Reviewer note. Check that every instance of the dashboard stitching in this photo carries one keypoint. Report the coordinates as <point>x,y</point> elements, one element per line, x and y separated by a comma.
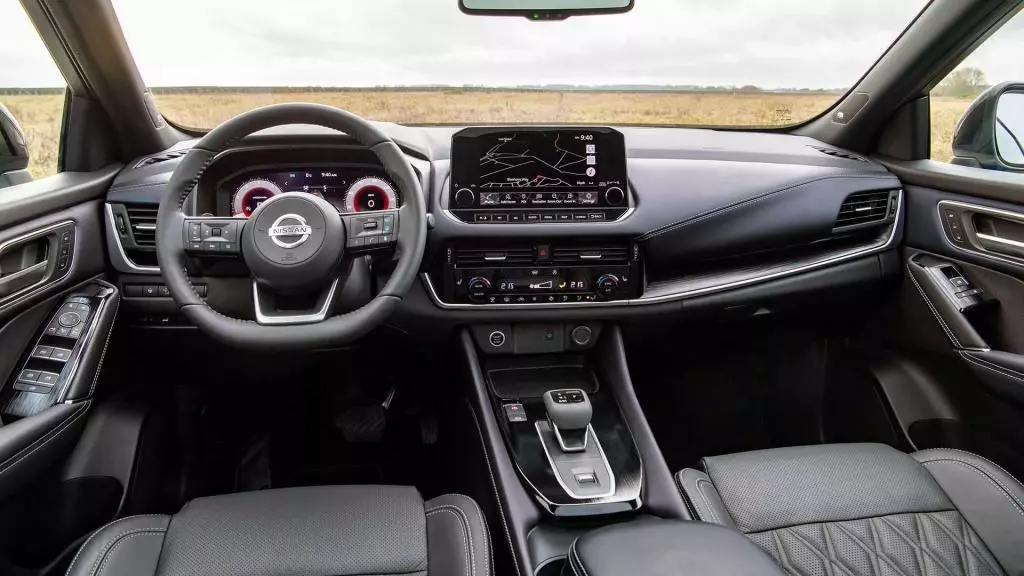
<point>746,202</point>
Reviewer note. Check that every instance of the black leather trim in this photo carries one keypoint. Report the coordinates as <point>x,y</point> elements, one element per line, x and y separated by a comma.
<point>666,548</point>
<point>703,498</point>
<point>1000,372</point>
<point>782,487</point>
<point>659,495</point>
<point>987,496</point>
<point>128,547</point>
<point>458,540</point>
<point>320,530</point>
<point>91,361</point>
<point>29,445</point>
<point>956,326</point>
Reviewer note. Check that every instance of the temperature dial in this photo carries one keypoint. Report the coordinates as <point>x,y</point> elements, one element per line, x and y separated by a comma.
<point>478,287</point>
<point>607,285</point>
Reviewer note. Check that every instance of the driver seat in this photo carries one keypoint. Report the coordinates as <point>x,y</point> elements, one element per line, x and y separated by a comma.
<point>315,531</point>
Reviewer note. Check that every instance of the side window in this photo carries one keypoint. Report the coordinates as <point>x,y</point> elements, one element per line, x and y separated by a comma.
<point>977,111</point>
<point>31,100</point>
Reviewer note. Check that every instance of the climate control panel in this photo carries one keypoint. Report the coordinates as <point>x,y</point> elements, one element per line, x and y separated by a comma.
<point>557,272</point>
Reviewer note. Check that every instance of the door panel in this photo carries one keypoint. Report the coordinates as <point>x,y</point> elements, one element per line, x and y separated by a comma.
<point>964,260</point>
<point>51,249</point>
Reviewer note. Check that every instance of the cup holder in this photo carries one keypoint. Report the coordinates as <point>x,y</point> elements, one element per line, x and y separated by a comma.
<point>37,531</point>
<point>553,568</point>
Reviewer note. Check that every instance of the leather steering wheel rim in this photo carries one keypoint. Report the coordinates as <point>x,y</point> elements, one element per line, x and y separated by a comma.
<point>334,330</point>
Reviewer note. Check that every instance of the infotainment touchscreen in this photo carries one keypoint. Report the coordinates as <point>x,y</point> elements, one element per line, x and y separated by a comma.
<point>537,170</point>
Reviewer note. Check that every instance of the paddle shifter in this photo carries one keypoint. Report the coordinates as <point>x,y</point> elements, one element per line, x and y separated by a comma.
<point>569,412</point>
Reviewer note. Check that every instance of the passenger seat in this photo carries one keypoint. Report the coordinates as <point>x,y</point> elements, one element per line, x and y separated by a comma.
<point>866,509</point>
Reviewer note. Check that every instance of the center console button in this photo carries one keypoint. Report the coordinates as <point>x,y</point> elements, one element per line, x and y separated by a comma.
<point>497,338</point>
<point>581,335</point>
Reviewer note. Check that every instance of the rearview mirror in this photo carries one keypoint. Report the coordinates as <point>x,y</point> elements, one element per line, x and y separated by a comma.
<point>991,132</point>
<point>544,9</point>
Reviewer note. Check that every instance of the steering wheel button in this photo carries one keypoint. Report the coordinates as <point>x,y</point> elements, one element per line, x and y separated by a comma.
<point>371,240</point>
<point>387,239</point>
<point>356,242</point>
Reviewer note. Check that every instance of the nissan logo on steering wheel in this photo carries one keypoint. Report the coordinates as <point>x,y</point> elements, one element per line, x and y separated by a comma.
<point>289,231</point>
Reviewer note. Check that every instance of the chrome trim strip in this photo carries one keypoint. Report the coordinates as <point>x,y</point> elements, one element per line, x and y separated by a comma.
<point>999,240</point>
<point>29,291</point>
<point>645,300</point>
<point>318,316</point>
<point>120,258</point>
<point>1004,258</point>
<point>561,441</point>
<point>554,470</point>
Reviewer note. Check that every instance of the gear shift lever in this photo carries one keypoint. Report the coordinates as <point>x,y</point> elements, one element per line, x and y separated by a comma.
<point>569,412</point>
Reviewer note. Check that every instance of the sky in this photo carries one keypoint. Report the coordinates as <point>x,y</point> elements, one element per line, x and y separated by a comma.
<point>768,43</point>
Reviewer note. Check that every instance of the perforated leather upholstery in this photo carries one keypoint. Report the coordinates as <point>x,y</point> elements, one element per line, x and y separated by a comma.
<point>317,531</point>
<point>866,509</point>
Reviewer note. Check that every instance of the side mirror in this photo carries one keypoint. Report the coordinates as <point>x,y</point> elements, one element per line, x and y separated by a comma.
<point>13,151</point>
<point>991,132</point>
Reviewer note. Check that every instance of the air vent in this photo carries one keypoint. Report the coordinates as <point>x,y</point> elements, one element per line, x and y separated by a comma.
<point>142,220</point>
<point>161,158</point>
<point>863,208</point>
<point>590,254</point>
<point>475,258</point>
<point>839,153</point>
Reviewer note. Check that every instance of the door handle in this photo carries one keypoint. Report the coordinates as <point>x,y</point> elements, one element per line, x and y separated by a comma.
<point>984,230</point>
<point>34,259</point>
<point>24,278</point>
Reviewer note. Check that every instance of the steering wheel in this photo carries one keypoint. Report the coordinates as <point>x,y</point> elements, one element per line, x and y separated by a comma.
<point>296,246</point>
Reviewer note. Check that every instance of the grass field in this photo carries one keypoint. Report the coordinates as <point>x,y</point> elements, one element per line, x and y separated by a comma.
<point>40,115</point>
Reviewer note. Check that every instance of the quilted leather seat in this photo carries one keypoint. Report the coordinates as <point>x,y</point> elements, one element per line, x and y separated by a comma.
<point>317,531</point>
<point>866,509</point>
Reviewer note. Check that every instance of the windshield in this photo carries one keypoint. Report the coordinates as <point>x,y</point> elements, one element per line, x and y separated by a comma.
<point>667,62</point>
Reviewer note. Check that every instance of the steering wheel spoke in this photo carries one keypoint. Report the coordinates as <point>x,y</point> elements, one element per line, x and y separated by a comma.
<point>209,236</point>
<point>371,232</point>
<point>266,303</point>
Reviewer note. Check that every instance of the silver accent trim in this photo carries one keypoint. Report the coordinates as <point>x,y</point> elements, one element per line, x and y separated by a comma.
<point>1004,258</point>
<point>561,441</point>
<point>120,258</point>
<point>145,226</point>
<point>318,316</point>
<point>29,291</point>
<point>554,470</point>
<point>645,300</point>
<point>25,272</point>
<point>591,256</point>
<point>501,258</point>
<point>999,240</point>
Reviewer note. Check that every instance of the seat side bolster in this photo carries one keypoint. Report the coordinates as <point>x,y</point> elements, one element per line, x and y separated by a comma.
<point>988,497</point>
<point>458,539</point>
<point>703,498</point>
<point>128,547</point>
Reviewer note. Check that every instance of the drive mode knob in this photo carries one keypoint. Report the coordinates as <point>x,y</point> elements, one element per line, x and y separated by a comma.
<point>614,196</point>
<point>581,335</point>
<point>465,198</point>
<point>478,287</point>
<point>607,285</point>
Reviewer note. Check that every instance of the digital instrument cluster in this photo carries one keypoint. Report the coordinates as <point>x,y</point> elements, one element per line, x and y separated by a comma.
<point>349,190</point>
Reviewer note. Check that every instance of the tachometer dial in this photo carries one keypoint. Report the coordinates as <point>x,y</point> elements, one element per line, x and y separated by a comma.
<point>370,194</point>
<point>251,194</point>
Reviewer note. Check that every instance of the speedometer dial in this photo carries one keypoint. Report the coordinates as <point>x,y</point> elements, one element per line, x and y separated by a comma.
<point>251,194</point>
<point>370,194</point>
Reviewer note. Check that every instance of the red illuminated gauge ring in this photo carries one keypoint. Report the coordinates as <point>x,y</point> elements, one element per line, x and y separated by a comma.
<point>367,185</point>
<point>240,201</point>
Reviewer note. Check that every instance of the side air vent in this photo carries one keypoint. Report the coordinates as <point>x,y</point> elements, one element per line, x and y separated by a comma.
<point>476,258</point>
<point>862,208</point>
<point>161,158</point>
<point>839,153</point>
<point>590,254</point>
<point>142,220</point>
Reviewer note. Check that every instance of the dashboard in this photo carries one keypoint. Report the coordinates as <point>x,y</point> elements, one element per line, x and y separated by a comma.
<point>348,189</point>
<point>569,221</point>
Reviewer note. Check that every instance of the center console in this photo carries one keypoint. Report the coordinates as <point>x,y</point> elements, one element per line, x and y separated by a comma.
<point>567,446</point>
